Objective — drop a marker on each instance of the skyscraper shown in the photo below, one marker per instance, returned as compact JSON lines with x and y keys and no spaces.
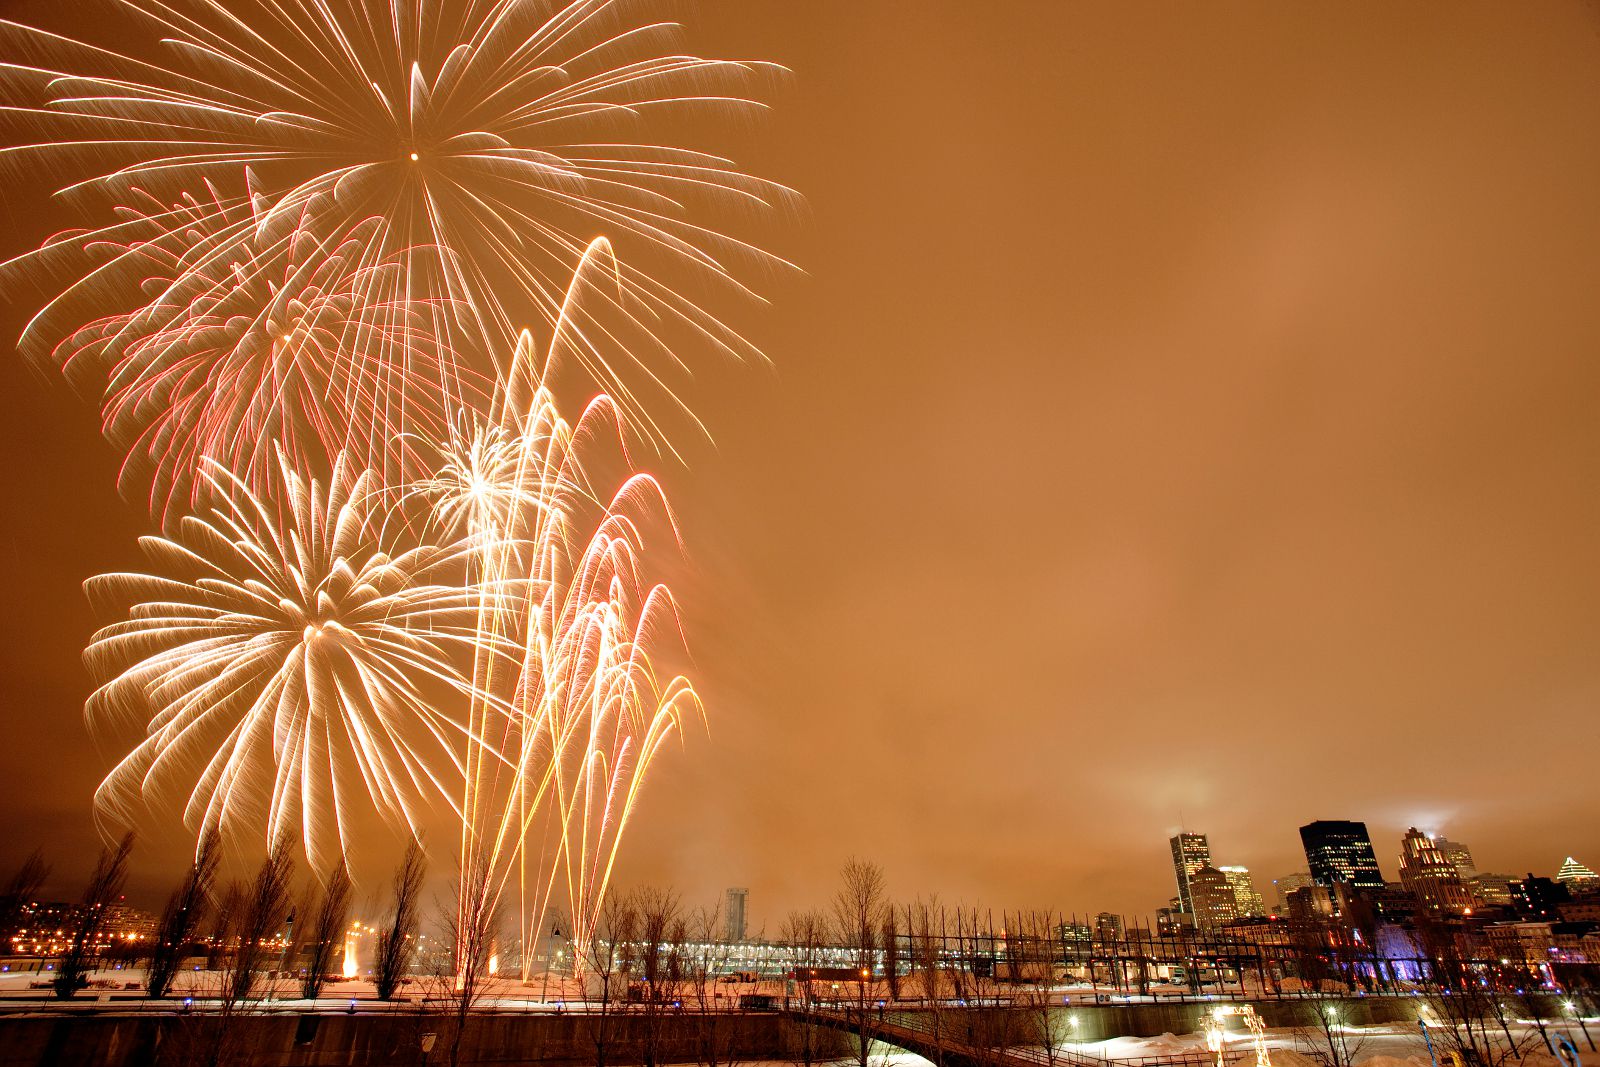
{"x":1458,"y":854}
{"x":1247,"y":903}
{"x":1340,"y":852}
{"x":1575,"y":875}
{"x":734,"y":921}
{"x":1430,"y":876}
{"x":1213,"y":897}
{"x":1190,"y":852}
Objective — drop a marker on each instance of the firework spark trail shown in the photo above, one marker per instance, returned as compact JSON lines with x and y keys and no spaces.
{"x":489,"y":141}
{"x":586,"y":710}
{"x":235,"y":359}
{"x":287,"y":671}
{"x":320,"y":206}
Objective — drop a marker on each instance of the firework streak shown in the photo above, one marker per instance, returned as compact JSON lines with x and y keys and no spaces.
{"x":393,"y":581}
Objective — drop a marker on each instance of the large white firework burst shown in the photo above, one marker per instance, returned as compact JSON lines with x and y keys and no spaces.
{"x":286,"y":669}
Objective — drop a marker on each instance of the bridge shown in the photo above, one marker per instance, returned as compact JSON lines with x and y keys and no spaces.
{"x":954,"y":1044}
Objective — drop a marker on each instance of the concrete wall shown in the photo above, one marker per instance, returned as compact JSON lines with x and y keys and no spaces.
{"x":539,"y":1040}
{"x":370,"y":1040}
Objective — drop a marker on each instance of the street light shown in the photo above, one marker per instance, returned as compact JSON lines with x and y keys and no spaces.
{"x":1422,"y":1024}
{"x":1572,"y":1009}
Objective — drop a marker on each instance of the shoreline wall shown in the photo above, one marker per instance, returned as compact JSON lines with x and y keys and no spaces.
{"x":507,"y":1039}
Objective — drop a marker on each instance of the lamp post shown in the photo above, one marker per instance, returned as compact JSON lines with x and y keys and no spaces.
{"x":1572,"y":1009}
{"x":1426,"y":1040}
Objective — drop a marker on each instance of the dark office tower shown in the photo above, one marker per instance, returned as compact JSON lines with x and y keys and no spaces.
{"x":1538,"y":898}
{"x":1340,"y":853}
{"x":1190,"y":852}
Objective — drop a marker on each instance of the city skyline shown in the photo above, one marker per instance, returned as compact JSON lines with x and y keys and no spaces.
{"x":1143,"y":449}
{"x":1246,"y":892}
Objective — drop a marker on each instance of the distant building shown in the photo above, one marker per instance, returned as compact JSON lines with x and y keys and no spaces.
{"x":1339,"y":852}
{"x":1288,"y":884}
{"x":1540,"y":899}
{"x":1584,"y":909}
{"x":1076,"y":934}
{"x":1529,"y":944}
{"x":1394,"y":903}
{"x":1190,"y":852}
{"x":1173,"y":921}
{"x":1247,"y":903}
{"x":1493,"y":890}
{"x":1458,"y":854}
{"x":1108,"y":927}
{"x":1575,"y":875}
{"x":1212,"y":897}
{"x":47,"y":928}
{"x":1314,"y":904}
{"x":735,"y":925}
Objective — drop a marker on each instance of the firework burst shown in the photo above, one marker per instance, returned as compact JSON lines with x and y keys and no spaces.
{"x":258,"y":345}
{"x":287,"y":672}
{"x":583,"y":708}
{"x":395,"y":579}
{"x":489,"y":141}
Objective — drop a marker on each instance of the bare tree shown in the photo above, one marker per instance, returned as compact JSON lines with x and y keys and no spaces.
{"x":264,"y":906}
{"x":1032,"y":956}
{"x":245,"y":922}
{"x":224,"y":926}
{"x":925,"y":923}
{"x":181,"y":918}
{"x":891,"y":951}
{"x":1328,"y":1040}
{"x":658,"y":963}
{"x":858,"y":916}
{"x":472,"y":931}
{"x":607,"y":959}
{"x":706,"y":956}
{"x":23,"y":888}
{"x":397,"y":940}
{"x":105,"y":886}
{"x":1463,"y":999}
{"x":327,"y":931}
{"x":806,"y":934}
{"x":987,"y":1032}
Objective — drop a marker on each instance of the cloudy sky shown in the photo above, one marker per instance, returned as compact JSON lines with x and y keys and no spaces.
{"x":1186,"y":417}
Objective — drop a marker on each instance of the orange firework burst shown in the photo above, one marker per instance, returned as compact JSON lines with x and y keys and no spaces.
{"x":260,"y":338}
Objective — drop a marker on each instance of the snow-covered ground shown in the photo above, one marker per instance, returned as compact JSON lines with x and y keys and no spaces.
{"x":1389,"y":1045}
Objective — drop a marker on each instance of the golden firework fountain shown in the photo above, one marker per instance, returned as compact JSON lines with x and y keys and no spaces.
{"x":1217,"y":1032}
